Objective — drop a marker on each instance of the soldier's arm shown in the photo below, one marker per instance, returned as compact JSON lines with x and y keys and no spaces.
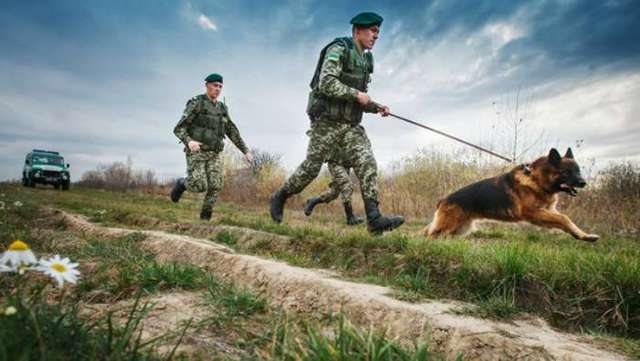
{"x":187,"y":117}
{"x":329,"y":84}
{"x":234,"y":134}
{"x":371,"y":107}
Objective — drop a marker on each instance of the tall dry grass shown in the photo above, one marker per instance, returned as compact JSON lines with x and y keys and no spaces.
{"x":412,"y":186}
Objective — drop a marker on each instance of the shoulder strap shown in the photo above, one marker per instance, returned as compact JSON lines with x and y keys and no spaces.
{"x":346,"y":42}
{"x":198,"y":100}
{"x":225,"y":110}
{"x":369,"y":56}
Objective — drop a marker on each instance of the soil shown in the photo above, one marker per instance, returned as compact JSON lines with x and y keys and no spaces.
{"x":320,"y":293}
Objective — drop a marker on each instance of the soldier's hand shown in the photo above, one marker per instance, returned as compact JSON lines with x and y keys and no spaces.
{"x":363,"y":98}
{"x":194,"y":146}
{"x":249,"y":157}
{"x":384,"y":110}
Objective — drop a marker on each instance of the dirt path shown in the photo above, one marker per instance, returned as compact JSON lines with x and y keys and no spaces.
{"x":318,"y":292}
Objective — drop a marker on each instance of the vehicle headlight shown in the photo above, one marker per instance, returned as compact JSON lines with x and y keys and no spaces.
{"x":37,"y":174}
{"x":65,"y":176}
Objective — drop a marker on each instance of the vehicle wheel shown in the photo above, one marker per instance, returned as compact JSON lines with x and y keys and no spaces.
{"x":31,"y":183}
{"x":65,"y":186}
{"x":58,"y":186}
{"x":24,"y":181}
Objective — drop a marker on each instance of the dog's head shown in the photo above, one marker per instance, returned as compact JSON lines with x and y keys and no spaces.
{"x":560,"y":173}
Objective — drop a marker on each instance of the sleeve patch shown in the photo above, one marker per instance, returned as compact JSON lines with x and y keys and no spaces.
{"x":333,"y":56}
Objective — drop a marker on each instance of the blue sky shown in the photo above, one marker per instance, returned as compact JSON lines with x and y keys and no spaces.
{"x":103,"y":80}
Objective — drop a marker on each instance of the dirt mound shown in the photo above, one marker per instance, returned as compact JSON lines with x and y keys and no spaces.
{"x":318,"y":293}
{"x":168,"y":316}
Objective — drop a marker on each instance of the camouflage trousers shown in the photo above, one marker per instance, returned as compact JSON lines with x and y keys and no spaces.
{"x":205,"y":174}
{"x":350,"y":142}
{"x":340,"y":184}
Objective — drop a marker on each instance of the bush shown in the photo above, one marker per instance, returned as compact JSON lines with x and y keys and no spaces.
{"x":119,"y":176}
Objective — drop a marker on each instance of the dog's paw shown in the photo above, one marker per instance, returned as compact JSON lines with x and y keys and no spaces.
{"x":591,"y":237}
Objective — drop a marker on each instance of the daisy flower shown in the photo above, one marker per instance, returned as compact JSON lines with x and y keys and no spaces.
{"x":18,"y":254}
{"x":10,"y":311}
{"x":60,"y":269}
{"x":4,"y":268}
{"x":17,"y":204}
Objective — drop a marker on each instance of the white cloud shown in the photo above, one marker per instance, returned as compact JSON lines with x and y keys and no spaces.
{"x":437,"y":82}
{"x":503,"y":32}
{"x":206,"y":23}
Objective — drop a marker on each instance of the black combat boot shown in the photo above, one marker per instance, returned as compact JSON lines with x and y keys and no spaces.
{"x":348,"y":211}
{"x":377,"y":223}
{"x":205,"y":214}
{"x":278,"y":199}
{"x":311,"y":203}
{"x":178,"y":189}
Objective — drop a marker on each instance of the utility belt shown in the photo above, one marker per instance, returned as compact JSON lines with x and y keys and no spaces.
{"x":205,"y":148}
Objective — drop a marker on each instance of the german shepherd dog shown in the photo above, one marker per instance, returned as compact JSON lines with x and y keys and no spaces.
{"x":526,"y":193}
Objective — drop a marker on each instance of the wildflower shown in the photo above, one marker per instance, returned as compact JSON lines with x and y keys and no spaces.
{"x":4,"y":268}
{"x":18,"y":254}
{"x":17,"y":204}
{"x":60,"y":269}
{"x":10,"y":311}
{"x":2,"y":205}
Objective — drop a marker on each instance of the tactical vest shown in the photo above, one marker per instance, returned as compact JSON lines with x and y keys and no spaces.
{"x":208,"y":126}
{"x":356,"y":73}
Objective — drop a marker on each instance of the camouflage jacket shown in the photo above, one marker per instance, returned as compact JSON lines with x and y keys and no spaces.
{"x":192,"y":110}
{"x":329,"y":82}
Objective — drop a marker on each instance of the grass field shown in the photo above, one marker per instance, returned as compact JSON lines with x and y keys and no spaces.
{"x":503,"y":270}
{"x":55,"y":324}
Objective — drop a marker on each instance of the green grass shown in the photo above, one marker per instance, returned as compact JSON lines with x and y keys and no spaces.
{"x":232,"y":301}
{"x":42,"y":330}
{"x":506,"y":270}
{"x":347,"y":342}
{"x":227,"y":238}
{"x":121,"y":267}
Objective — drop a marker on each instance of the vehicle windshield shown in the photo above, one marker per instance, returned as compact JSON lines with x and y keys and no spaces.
{"x":48,"y":159}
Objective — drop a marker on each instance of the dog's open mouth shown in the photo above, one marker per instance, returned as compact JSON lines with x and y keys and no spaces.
{"x":569,"y":189}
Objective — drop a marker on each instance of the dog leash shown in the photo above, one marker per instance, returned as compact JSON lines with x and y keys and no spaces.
{"x":448,"y":136}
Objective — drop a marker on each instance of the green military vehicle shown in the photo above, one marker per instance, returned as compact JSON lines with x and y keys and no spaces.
{"x":45,"y":167}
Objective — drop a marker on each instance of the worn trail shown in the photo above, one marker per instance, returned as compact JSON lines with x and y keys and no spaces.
{"x":319,"y":292}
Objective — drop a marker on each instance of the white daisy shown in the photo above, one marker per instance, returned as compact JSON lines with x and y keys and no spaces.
{"x":17,"y":204}
{"x":60,"y":269}
{"x":2,"y":205}
{"x":18,"y":254}
{"x":10,"y":311}
{"x":4,"y":268}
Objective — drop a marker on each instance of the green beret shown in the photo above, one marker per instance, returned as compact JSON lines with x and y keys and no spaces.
{"x":367,"y":19}
{"x":213,"y":77}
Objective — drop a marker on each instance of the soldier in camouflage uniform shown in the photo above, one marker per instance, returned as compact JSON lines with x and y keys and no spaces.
{"x":337,"y":100}
{"x":202,"y":128}
{"x":340,"y":186}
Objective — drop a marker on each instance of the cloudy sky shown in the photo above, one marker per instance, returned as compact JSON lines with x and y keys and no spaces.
{"x":103,"y":80}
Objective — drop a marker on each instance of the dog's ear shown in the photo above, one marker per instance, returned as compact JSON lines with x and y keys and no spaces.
{"x":554,"y":157}
{"x":569,"y":153}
